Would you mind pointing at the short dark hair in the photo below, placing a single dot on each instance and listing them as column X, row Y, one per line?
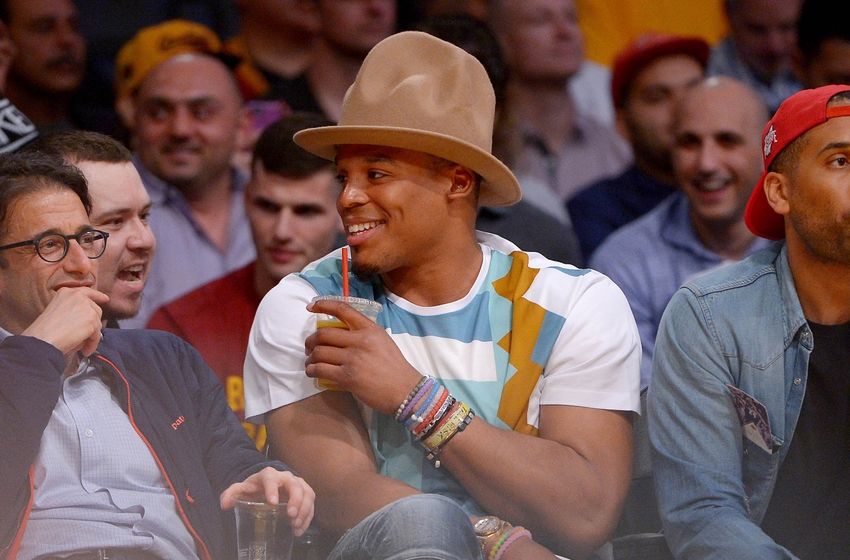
column 75, row 146
column 787, row 160
column 26, row 173
column 279, row 154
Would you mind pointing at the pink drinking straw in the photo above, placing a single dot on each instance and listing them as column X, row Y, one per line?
column 345, row 271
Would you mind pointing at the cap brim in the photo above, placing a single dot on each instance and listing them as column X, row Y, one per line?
column 760, row 216
column 499, row 186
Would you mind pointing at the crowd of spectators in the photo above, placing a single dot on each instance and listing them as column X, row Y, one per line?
column 673, row 213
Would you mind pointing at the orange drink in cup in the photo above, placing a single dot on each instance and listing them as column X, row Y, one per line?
column 367, row 307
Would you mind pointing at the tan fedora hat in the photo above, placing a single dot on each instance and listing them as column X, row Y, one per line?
column 417, row 92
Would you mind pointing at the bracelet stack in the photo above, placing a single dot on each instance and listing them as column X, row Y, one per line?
column 508, row 537
column 433, row 416
column 497, row 535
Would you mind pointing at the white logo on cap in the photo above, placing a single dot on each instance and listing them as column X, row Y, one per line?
column 769, row 139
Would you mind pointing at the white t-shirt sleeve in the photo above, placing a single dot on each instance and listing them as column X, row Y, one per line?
column 274, row 363
column 595, row 361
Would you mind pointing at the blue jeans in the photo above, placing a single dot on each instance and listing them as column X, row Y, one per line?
column 419, row 527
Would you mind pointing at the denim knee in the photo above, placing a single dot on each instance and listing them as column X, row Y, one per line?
column 423, row 526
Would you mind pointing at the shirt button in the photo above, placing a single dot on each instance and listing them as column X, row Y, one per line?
column 797, row 381
column 89, row 432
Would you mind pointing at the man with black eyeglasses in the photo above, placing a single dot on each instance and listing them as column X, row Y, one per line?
column 120, row 206
column 115, row 443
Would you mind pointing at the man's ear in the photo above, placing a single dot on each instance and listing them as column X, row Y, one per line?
column 126, row 108
column 246, row 133
column 463, row 182
column 776, row 191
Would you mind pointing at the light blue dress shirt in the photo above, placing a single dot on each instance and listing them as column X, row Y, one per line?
column 96, row 483
column 649, row 259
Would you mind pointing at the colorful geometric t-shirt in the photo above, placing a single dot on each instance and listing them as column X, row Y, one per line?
column 529, row 332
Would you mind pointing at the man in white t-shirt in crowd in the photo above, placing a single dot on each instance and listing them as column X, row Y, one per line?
column 495, row 395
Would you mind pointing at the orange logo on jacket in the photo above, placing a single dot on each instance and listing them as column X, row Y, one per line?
column 176, row 424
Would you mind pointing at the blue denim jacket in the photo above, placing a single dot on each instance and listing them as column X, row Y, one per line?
column 740, row 325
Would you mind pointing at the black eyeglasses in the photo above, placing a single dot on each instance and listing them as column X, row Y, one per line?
column 52, row 247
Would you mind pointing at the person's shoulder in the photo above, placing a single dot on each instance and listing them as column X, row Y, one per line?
column 633, row 240
column 324, row 276
column 214, row 295
column 741, row 275
column 136, row 340
column 140, row 346
column 505, row 254
column 555, row 280
column 745, row 296
column 153, row 358
column 604, row 190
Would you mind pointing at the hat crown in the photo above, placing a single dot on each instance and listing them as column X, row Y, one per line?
column 417, row 92
column 428, row 85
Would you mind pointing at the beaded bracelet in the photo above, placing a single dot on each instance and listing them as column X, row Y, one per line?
column 419, row 400
column 512, row 536
column 436, row 419
column 503, row 536
column 423, row 390
column 409, row 396
column 433, row 416
column 421, row 409
column 436, row 406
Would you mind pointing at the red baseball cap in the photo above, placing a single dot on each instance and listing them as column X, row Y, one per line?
column 644, row 50
column 796, row 115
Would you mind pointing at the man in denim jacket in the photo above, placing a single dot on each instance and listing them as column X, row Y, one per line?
column 748, row 407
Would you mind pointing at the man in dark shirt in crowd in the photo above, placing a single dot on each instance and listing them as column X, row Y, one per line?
column 649, row 77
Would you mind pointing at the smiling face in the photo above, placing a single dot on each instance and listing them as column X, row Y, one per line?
column 121, row 207
column 394, row 208
column 717, row 154
column 28, row 283
column 188, row 118
column 293, row 221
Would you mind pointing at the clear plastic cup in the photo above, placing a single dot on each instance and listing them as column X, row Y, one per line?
column 263, row 531
column 367, row 307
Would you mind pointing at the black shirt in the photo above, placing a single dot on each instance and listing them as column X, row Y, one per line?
column 809, row 512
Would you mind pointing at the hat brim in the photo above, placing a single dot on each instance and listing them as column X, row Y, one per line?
column 499, row 187
column 760, row 216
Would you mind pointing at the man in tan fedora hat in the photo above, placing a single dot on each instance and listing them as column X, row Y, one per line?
column 494, row 383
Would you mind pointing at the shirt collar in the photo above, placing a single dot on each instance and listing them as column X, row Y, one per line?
column 162, row 192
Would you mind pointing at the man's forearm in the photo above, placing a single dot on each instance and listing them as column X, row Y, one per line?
column 322, row 438
column 569, row 496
